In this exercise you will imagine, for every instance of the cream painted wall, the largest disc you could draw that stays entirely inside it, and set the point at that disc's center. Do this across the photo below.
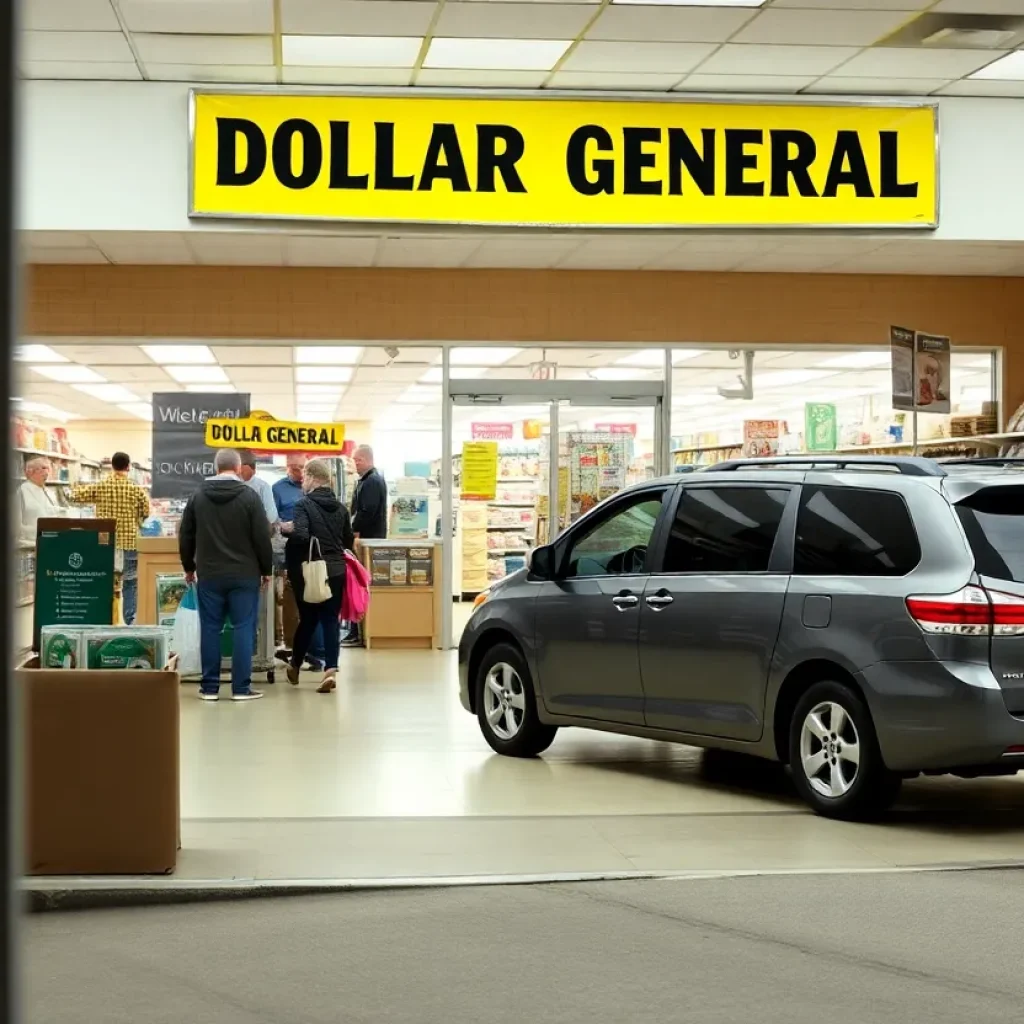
(99, 439)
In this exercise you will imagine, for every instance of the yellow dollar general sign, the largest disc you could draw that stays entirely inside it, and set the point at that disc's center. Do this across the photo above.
(561, 162)
(260, 432)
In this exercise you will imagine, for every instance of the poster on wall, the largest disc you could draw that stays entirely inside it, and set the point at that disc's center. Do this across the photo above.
(761, 438)
(821, 427)
(901, 349)
(932, 372)
(181, 458)
(479, 470)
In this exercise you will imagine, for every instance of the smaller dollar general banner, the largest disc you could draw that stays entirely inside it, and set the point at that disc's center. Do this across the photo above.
(260, 432)
(562, 162)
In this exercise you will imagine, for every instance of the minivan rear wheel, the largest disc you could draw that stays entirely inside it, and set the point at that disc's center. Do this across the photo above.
(506, 705)
(834, 756)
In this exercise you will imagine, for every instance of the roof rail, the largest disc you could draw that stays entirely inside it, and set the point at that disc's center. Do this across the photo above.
(907, 465)
(1003, 462)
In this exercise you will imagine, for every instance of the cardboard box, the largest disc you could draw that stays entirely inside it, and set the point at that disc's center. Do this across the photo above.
(102, 771)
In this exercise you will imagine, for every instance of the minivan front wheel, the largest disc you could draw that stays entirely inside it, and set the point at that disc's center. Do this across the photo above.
(834, 755)
(506, 705)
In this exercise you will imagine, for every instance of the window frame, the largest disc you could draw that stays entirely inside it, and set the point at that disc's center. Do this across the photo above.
(899, 495)
(780, 561)
(582, 529)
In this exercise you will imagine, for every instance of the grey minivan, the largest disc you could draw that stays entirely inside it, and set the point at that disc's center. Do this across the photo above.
(860, 619)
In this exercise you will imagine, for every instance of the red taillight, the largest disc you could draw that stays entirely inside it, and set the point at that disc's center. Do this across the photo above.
(972, 611)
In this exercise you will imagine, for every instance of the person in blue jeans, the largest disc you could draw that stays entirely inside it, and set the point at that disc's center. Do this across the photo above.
(225, 541)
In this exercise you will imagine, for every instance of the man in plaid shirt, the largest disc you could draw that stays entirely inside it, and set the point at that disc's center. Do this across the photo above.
(117, 498)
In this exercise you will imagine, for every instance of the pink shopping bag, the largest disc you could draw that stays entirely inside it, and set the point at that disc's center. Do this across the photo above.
(357, 590)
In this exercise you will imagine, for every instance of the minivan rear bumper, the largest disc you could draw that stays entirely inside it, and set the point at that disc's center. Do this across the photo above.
(935, 715)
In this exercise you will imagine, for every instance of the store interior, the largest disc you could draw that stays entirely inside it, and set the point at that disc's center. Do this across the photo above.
(82, 399)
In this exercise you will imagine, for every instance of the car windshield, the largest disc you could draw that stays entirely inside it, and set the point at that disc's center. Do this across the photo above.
(993, 519)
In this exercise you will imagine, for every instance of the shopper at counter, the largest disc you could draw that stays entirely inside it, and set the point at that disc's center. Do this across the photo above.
(320, 516)
(247, 471)
(34, 499)
(119, 498)
(225, 541)
(287, 493)
(369, 514)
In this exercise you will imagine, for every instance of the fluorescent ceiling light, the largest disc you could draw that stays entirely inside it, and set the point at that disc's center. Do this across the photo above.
(350, 51)
(655, 357)
(323, 374)
(328, 355)
(858, 361)
(435, 374)
(695, 3)
(212, 389)
(484, 355)
(70, 373)
(420, 394)
(50, 411)
(784, 378)
(108, 392)
(144, 410)
(317, 413)
(496, 54)
(191, 355)
(1009, 68)
(198, 374)
(37, 354)
(318, 390)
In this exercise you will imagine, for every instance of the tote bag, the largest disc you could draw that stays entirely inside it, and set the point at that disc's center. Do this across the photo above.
(316, 589)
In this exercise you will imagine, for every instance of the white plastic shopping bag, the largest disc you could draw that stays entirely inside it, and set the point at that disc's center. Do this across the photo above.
(185, 641)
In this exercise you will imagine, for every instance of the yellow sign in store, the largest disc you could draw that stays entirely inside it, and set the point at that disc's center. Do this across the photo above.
(562, 162)
(479, 470)
(262, 433)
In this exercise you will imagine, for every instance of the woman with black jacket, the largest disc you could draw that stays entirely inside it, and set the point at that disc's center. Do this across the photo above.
(320, 515)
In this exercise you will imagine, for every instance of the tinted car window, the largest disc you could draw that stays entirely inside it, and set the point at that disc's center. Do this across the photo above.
(617, 544)
(846, 531)
(994, 522)
(724, 529)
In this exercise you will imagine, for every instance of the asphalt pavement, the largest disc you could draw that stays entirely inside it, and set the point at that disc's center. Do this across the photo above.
(865, 948)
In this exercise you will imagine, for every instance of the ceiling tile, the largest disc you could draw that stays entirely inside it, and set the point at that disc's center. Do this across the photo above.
(227, 17)
(143, 247)
(699, 82)
(69, 15)
(745, 59)
(905, 62)
(96, 355)
(814, 28)
(329, 251)
(241, 74)
(31, 255)
(471, 78)
(237, 247)
(677, 58)
(351, 51)
(426, 252)
(498, 54)
(512, 20)
(979, 7)
(346, 76)
(56, 239)
(983, 87)
(878, 86)
(847, 5)
(90, 47)
(356, 17)
(526, 252)
(253, 355)
(613, 81)
(67, 69)
(124, 373)
(260, 374)
(619, 252)
(204, 49)
(669, 24)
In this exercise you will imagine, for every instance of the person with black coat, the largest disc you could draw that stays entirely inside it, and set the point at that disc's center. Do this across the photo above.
(320, 516)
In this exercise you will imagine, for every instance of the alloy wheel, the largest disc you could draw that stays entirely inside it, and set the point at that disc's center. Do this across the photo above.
(504, 701)
(830, 750)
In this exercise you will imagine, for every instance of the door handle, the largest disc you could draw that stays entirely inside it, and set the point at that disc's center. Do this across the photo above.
(659, 601)
(624, 601)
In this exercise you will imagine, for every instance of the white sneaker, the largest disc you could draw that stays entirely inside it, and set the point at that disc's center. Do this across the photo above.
(250, 695)
(208, 696)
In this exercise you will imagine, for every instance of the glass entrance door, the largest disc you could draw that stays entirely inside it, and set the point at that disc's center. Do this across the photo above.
(551, 451)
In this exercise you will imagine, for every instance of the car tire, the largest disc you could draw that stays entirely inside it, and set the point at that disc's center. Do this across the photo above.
(506, 705)
(834, 755)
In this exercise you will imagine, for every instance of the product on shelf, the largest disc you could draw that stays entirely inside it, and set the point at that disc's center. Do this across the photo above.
(60, 646)
(170, 589)
(125, 647)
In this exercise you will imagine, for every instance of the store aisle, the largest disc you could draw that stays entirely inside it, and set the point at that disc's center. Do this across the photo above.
(389, 778)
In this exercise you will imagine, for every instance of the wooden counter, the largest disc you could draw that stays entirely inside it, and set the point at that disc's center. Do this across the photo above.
(403, 616)
(157, 555)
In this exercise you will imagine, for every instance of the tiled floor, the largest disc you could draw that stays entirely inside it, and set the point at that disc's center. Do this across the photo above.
(389, 778)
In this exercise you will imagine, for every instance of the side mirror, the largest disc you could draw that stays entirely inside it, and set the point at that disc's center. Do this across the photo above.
(541, 562)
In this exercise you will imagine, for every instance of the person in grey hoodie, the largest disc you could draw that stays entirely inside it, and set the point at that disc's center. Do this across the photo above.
(225, 541)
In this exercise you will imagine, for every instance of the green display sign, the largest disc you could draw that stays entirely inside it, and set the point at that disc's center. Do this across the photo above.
(821, 427)
(74, 573)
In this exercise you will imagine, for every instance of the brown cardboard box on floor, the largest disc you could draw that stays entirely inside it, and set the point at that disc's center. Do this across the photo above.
(101, 771)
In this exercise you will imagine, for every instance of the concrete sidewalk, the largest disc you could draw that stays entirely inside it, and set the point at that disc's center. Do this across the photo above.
(847, 949)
